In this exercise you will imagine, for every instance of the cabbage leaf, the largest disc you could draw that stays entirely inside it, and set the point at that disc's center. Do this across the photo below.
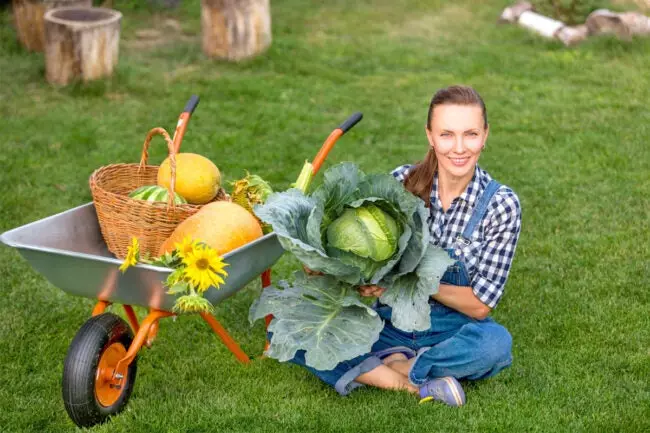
(320, 315)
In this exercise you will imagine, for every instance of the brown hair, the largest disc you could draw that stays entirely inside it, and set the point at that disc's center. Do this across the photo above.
(420, 178)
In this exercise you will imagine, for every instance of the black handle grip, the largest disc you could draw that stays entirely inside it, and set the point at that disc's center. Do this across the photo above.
(352, 120)
(191, 104)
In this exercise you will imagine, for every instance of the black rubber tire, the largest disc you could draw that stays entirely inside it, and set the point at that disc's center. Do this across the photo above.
(81, 364)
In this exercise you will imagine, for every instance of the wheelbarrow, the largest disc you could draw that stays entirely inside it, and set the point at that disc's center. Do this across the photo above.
(101, 363)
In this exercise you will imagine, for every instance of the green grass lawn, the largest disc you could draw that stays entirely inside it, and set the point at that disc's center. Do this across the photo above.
(569, 133)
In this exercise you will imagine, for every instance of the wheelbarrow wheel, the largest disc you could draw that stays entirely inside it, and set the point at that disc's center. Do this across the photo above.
(89, 394)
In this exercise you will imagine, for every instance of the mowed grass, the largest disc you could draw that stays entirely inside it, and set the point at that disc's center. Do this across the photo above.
(569, 133)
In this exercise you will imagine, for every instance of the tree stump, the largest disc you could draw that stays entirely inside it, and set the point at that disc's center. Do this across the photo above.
(81, 43)
(624, 25)
(235, 29)
(28, 17)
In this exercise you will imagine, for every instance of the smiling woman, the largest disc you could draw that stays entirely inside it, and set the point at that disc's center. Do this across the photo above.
(476, 221)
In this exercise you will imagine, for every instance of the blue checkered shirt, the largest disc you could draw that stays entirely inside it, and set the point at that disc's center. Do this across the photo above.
(492, 246)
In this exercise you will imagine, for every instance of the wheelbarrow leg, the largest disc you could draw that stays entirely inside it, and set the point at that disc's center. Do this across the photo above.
(230, 343)
(100, 307)
(133, 319)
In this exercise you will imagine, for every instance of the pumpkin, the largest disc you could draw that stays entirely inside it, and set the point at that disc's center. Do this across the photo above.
(223, 225)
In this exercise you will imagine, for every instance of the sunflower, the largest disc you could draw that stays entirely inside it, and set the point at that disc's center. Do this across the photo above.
(186, 247)
(192, 304)
(132, 255)
(203, 267)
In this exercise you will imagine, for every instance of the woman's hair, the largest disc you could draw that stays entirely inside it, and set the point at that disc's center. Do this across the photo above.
(420, 178)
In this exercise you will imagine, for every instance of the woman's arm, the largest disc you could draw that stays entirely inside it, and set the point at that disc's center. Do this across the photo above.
(459, 298)
(463, 299)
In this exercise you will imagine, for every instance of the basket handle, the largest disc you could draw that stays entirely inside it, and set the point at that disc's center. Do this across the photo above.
(172, 160)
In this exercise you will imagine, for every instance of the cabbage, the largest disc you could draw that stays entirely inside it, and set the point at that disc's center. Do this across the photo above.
(357, 229)
(367, 233)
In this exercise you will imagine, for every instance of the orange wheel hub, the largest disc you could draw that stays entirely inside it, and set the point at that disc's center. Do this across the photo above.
(108, 385)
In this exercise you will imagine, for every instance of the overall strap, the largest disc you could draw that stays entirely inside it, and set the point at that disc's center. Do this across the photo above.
(479, 211)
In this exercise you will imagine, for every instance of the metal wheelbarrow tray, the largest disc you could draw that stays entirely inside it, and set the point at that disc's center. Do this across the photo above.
(68, 249)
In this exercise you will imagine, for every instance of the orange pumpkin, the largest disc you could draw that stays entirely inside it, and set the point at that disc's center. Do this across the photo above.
(222, 225)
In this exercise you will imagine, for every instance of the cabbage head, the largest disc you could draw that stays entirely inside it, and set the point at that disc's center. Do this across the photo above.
(357, 229)
(365, 236)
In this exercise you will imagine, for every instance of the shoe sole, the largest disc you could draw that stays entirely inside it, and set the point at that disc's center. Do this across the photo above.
(456, 391)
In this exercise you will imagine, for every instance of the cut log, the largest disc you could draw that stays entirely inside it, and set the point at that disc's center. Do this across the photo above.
(235, 29)
(28, 18)
(511, 14)
(81, 43)
(572, 35)
(540, 24)
(624, 25)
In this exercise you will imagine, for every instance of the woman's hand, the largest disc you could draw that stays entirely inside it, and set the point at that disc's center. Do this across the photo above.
(372, 290)
(310, 272)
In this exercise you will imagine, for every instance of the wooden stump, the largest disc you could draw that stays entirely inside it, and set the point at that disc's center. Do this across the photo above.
(624, 25)
(235, 29)
(81, 43)
(28, 17)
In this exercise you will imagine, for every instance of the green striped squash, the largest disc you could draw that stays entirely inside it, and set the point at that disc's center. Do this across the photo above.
(155, 193)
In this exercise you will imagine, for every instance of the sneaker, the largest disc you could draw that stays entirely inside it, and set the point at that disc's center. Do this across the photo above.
(444, 389)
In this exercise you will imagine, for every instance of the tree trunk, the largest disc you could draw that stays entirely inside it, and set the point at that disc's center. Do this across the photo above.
(81, 43)
(235, 29)
(28, 17)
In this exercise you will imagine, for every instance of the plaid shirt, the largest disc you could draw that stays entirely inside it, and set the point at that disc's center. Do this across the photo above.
(489, 255)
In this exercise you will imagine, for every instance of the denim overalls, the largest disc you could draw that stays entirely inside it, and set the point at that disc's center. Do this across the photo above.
(455, 345)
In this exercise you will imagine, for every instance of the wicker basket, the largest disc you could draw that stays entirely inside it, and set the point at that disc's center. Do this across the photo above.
(121, 217)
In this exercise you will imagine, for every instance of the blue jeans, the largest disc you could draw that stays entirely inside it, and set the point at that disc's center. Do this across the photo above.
(455, 345)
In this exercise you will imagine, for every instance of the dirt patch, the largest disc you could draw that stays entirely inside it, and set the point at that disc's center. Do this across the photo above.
(165, 32)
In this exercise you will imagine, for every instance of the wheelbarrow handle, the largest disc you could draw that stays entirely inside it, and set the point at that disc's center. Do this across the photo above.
(191, 104)
(331, 140)
(183, 120)
(350, 122)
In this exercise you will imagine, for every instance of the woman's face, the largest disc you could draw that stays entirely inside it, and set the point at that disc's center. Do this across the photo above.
(457, 136)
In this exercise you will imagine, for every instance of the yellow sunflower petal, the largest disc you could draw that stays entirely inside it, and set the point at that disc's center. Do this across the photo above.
(132, 255)
(202, 268)
(186, 247)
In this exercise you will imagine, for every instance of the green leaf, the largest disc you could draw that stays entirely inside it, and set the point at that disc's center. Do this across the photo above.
(174, 278)
(320, 315)
(289, 212)
(180, 287)
(340, 186)
(409, 294)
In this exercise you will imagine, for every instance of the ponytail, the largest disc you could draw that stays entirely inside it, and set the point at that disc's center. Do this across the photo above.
(419, 180)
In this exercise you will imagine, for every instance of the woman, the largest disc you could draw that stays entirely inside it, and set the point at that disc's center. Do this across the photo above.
(477, 221)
